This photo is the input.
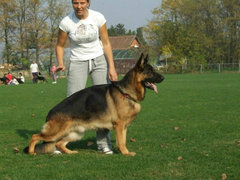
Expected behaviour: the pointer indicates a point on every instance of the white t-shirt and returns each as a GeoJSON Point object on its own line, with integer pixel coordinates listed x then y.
{"type": "Point", "coordinates": [22, 78]}
{"type": "Point", "coordinates": [34, 67]}
{"type": "Point", "coordinates": [84, 35]}
{"type": "Point", "coordinates": [14, 81]}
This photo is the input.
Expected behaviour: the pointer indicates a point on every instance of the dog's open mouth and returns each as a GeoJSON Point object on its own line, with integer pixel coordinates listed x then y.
{"type": "Point", "coordinates": [151, 86]}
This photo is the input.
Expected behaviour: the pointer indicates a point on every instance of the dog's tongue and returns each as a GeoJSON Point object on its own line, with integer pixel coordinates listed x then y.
{"type": "Point", "coordinates": [154, 87]}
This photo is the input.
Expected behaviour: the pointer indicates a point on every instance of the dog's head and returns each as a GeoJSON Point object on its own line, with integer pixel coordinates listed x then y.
{"type": "Point", "coordinates": [146, 74]}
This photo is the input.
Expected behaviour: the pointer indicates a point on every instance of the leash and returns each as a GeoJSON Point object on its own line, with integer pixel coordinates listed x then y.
{"type": "Point", "coordinates": [125, 95]}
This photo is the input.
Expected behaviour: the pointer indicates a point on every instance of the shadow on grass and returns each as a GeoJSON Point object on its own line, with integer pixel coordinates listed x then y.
{"type": "Point", "coordinates": [26, 134]}
{"type": "Point", "coordinates": [89, 143]}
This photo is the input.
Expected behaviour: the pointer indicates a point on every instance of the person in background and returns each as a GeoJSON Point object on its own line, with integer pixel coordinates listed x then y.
{"type": "Point", "coordinates": [91, 53]}
{"type": "Point", "coordinates": [14, 81]}
{"type": "Point", "coordinates": [34, 71]}
{"type": "Point", "coordinates": [9, 77]}
{"type": "Point", "coordinates": [53, 71]}
{"type": "Point", "coordinates": [20, 78]}
{"type": "Point", "coordinates": [4, 79]}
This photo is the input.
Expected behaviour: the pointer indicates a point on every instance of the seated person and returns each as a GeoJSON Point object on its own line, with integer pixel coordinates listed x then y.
{"type": "Point", "coordinates": [9, 77]}
{"type": "Point", "coordinates": [5, 79]}
{"type": "Point", "coordinates": [20, 78]}
{"type": "Point", "coordinates": [13, 81]}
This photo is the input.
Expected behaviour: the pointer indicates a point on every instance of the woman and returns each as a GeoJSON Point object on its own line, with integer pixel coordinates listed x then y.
{"type": "Point", "coordinates": [54, 75]}
{"type": "Point", "coordinates": [20, 78]}
{"type": "Point", "coordinates": [84, 27]}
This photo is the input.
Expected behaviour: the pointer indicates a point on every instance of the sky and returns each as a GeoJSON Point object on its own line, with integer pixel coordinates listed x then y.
{"type": "Point", "coordinates": [132, 13]}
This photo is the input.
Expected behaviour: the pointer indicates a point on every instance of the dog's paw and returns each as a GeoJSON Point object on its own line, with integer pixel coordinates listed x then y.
{"type": "Point", "coordinates": [72, 152]}
{"type": "Point", "coordinates": [32, 153]}
{"type": "Point", "coordinates": [127, 153]}
{"type": "Point", "coordinates": [131, 154]}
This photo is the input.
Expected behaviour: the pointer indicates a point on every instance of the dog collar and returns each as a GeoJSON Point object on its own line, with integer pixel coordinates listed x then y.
{"type": "Point", "coordinates": [125, 95]}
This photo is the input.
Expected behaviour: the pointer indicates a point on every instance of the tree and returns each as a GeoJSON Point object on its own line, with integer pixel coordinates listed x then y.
{"type": "Point", "coordinates": [28, 27]}
{"type": "Point", "coordinates": [7, 26]}
{"type": "Point", "coordinates": [55, 13]}
{"type": "Point", "coordinates": [201, 31]}
{"type": "Point", "coordinates": [230, 25]}
{"type": "Point", "coordinates": [140, 35]}
{"type": "Point", "coordinates": [20, 13]}
{"type": "Point", "coordinates": [37, 26]}
{"type": "Point", "coordinates": [119, 30]}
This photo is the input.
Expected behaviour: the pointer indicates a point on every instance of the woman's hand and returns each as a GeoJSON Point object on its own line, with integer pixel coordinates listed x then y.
{"type": "Point", "coordinates": [60, 68]}
{"type": "Point", "coordinates": [112, 74]}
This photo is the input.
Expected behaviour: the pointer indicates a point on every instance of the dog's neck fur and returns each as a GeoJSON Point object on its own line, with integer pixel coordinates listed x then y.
{"type": "Point", "coordinates": [124, 93]}
{"type": "Point", "coordinates": [125, 86]}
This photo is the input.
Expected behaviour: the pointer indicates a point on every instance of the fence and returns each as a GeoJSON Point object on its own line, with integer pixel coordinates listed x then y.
{"type": "Point", "coordinates": [177, 69]}
{"type": "Point", "coordinates": [201, 68]}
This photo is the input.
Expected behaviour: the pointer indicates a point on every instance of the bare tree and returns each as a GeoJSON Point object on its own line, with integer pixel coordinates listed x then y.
{"type": "Point", "coordinates": [56, 11]}
{"type": "Point", "coordinates": [37, 26]}
{"type": "Point", "coordinates": [6, 24]}
{"type": "Point", "coordinates": [21, 8]}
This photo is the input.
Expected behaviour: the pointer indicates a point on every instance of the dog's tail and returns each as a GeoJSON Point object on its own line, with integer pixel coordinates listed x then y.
{"type": "Point", "coordinates": [44, 148]}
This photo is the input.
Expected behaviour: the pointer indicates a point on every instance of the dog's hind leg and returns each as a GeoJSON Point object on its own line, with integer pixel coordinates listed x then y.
{"type": "Point", "coordinates": [71, 137]}
{"type": "Point", "coordinates": [34, 140]}
{"type": "Point", "coordinates": [51, 132]}
{"type": "Point", "coordinates": [61, 146]}
{"type": "Point", "coordinates": [40, 137]}
{"type": "Point", "coordinates": [121, 133]}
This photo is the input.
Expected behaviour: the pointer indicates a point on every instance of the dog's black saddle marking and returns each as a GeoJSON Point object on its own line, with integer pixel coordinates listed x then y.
{"type": "Point", "coordinates": [83, 104]}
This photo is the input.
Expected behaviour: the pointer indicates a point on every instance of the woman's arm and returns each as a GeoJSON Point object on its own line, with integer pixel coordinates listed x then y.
{"type": "Point", "coordinates": [108, 52]}
{"type": "Point", "coordinates": [62, 37]}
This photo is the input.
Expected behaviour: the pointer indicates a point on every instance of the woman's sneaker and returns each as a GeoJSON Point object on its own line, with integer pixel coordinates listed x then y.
{"type": "Point", "coordinates": [105, 150]}
{"type": "Point", "coordinates": [57, 152]}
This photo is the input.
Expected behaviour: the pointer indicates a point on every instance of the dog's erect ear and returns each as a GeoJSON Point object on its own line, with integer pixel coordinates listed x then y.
{"type": "Point", "coordinates": [146, 59]}
{"type": "Point", "coordinates": [140, 63]}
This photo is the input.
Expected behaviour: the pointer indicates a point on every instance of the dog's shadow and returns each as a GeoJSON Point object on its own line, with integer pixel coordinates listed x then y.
{"type": "Point", "coordinates": [26, 134]}
{"type": "Point", "coordinates": [84, 143]}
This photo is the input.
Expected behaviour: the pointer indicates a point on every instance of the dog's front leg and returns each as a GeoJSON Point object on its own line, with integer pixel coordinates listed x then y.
{"type": "Point", "coordinates": [121, 133]}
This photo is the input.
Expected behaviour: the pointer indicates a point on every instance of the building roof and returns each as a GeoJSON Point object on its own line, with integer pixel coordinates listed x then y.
{"type": "Point", "coordinates": [124, 42]}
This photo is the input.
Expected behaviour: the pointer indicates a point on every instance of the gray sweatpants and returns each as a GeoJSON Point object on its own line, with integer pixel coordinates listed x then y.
{"type": "Point", "coordinates": [77, 78]}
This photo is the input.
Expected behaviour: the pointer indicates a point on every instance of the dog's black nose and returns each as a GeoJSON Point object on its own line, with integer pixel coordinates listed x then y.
{"type": "Point", "coordinates": [162, 78]}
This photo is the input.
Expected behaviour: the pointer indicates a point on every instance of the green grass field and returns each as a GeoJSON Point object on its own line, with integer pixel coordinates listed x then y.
{"type": "Point", "coordinates": [190, 130]}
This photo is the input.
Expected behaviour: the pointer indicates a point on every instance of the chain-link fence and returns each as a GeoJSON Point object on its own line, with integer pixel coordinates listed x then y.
{"type": "Point", "coordinates": [174, 69]}
{"type": "Point", "coordinates": [201, 68]}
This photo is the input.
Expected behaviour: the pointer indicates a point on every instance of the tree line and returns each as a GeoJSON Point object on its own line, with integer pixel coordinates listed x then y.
{"type": "Point", "coordinates": [196, 31]}
{"type": "Point", "coordinates": [27, 26]}
{"type": "Point", "coordinates": [184, 31]}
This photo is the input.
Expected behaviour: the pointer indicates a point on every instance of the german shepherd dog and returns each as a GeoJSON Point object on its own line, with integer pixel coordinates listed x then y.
{"type": "Point", "coordinates": [110, 106]}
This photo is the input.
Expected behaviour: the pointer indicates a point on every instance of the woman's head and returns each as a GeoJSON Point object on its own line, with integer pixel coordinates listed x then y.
{"type": "Point", "coordinates": [80, 7]}
{"type": "Point", "coordinates": [87, 1]}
